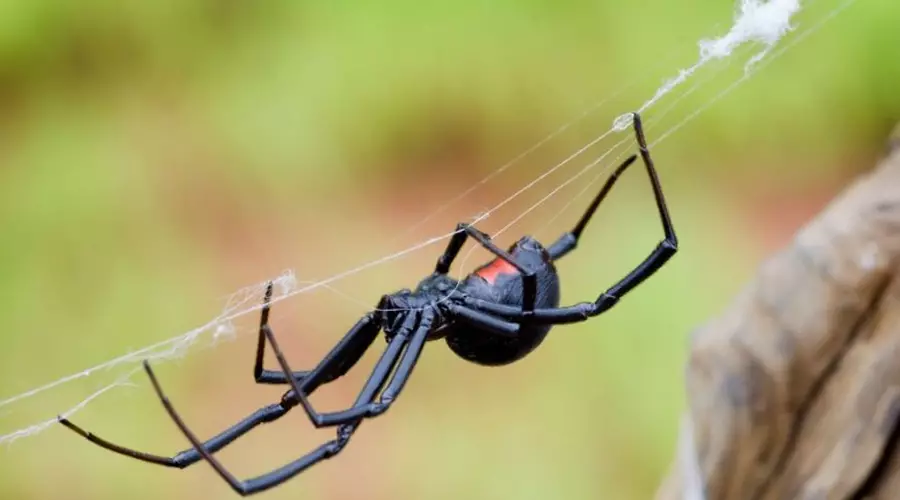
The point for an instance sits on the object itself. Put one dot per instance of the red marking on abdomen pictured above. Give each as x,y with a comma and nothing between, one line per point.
495,268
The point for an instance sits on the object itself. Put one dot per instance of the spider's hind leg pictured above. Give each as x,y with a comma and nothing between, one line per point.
663,251
568,241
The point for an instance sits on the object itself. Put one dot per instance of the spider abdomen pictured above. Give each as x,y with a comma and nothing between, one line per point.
502,284
489,349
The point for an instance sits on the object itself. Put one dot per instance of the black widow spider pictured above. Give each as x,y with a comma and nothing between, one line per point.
495,316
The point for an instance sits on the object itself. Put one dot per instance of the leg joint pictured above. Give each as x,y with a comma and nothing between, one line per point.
183,459
604,303
669,246
376,409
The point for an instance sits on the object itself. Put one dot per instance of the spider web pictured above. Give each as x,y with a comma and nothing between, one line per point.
757,24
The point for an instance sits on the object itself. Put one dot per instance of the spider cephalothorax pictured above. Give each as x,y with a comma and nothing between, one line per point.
496,315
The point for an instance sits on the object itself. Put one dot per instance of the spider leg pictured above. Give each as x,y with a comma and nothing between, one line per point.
453,247
189,456
568,241
335,364
263,482
529,279
251,486
260,374
580,312
373,385
339,360
365,405
483,320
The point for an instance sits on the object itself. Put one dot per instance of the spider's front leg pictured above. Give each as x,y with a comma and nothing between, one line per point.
389,360
341,358
260,374
336,363
410,338
190,456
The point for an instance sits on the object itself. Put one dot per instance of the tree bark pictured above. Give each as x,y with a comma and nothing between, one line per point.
794,390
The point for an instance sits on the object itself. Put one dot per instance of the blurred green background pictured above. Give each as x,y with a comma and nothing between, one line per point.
157,156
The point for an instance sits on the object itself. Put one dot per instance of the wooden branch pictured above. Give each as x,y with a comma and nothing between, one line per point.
794,390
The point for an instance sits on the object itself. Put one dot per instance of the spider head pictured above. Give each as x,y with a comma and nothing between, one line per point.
436,284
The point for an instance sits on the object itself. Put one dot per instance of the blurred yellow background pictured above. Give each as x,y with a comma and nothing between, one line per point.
157,156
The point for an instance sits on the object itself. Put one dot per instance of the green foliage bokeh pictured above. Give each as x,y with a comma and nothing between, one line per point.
156,156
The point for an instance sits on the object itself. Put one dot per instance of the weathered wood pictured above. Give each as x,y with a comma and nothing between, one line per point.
794,390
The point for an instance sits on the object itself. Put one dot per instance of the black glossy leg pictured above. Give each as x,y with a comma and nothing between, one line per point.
373,385
365,405
406,366
335,364
190,456
529,280
568,241
453,247
342,357
483,320
666,248
261,375
251,486
579,312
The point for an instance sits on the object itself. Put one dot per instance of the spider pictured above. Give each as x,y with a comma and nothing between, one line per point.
496,315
